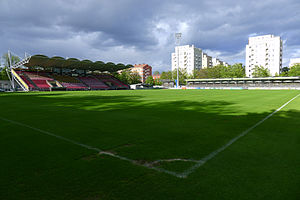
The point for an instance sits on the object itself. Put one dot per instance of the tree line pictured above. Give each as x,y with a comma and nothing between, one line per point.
220,71
231,71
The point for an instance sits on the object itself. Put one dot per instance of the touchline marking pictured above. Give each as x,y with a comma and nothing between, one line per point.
216,152
135,162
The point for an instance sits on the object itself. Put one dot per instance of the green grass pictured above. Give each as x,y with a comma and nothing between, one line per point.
146,126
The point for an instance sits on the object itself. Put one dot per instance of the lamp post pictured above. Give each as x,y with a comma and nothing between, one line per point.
177,43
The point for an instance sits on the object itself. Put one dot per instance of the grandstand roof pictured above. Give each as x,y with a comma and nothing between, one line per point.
70,63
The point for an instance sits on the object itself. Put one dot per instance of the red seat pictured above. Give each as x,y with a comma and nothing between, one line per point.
93,83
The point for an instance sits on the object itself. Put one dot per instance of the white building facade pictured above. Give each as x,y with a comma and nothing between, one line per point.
294,61
264,51
216,61
187,57
206,61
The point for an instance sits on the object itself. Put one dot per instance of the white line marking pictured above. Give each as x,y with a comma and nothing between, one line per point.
51,134
135,162
216,152
198,164
174,159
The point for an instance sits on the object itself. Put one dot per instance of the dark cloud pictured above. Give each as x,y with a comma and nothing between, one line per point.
135,31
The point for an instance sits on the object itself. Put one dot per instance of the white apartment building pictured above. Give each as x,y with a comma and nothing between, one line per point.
187,57
294,61
216,61
264,51
206,61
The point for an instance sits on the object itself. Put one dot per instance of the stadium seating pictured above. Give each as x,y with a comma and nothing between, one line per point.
39,79
93,83
30,85
52,81
112,81
37,75
70,82
120,82
42,84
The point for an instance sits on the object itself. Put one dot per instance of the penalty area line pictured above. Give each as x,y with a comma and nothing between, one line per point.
228,144
101,152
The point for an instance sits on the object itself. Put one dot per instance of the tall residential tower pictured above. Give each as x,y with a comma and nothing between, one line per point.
187,57
264,51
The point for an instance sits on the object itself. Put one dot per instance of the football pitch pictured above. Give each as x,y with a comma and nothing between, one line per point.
150,144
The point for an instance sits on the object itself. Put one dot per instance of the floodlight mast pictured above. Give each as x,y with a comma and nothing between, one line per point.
177,37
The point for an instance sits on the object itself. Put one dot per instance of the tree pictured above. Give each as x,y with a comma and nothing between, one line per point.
157,82
295,70
3,74
156,73
284,74
14,59
218,71
129,77
182,75
166,75
236,71
123,76
285,69
260,71
172,75
202,73
134,78
149,80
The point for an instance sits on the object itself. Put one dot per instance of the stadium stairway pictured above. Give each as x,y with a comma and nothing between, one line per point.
31,84
54,83
120,82
111,81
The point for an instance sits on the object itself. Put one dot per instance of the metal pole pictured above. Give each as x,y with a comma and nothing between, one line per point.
178,37
178,72
10,67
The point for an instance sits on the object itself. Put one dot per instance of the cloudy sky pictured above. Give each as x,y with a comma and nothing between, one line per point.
138,31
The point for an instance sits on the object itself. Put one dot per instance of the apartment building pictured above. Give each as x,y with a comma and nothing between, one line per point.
216,61
206,61
187,57
143,70
266,51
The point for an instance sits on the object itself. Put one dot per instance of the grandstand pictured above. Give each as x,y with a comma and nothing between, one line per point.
41,73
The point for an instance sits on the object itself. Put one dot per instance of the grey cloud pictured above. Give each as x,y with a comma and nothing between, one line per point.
143,31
